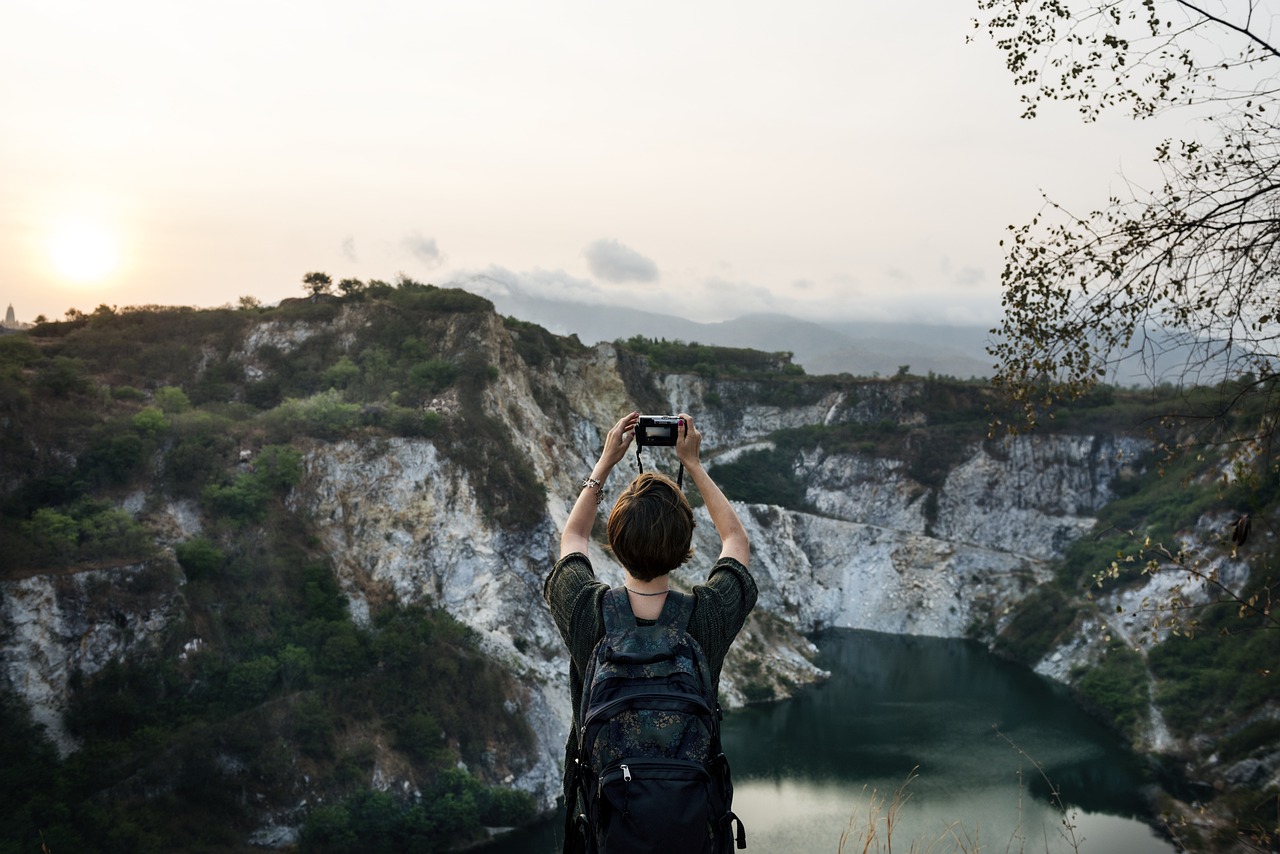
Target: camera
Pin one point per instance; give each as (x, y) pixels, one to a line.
(658, 430)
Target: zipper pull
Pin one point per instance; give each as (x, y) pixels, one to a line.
(626, 773)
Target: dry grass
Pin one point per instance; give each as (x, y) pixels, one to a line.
(871, 832)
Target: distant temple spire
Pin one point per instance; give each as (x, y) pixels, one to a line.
(9, 319)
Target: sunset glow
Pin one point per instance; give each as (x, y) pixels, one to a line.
(83, 252)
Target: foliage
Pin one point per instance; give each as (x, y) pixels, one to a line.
(85, 531)
(1194, 258)
(763, 477)
(1036, 625)
(680, 357)
(1117, 685)
(536, 346)
(200, 557)
(245, 499)
(171, 400)
(317, 283)
(452, 811)
(1218, 675)
(324, 415)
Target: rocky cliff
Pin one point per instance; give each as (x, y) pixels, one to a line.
(875, 547)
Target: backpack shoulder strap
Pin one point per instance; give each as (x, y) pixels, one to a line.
(618, 616)
(676, 611)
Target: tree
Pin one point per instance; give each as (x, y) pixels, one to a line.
(1186, 271)
(351, 287)
(317, 283)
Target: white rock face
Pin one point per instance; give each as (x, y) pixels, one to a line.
(823, 573)
(54, 626)
(1032, 495)
(400, 521)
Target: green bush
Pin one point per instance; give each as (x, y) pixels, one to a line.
(324, 416)
(200, 558)
(250, 682)
(84, 531)
(171, 400)
(764, 477)
(341, 374)
(150, 423)
(432, 376)
(202, 447)
(1036, 625)
(276, 469)
(1117, 686)
(63, 376)
(452, 812)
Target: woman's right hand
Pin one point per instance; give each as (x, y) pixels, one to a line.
(619, 439)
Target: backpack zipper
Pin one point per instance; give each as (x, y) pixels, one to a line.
(697, 705)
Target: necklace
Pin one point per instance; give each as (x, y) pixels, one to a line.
(638, 593)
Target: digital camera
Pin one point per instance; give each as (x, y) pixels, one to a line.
(658, 430)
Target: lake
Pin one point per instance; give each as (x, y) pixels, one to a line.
(981, 739)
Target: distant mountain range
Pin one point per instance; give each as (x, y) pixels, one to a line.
(861, 348)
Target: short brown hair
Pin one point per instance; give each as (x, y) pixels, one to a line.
(651, 526)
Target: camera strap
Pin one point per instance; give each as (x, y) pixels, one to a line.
(640, 466)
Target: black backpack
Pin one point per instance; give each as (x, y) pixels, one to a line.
(650, 773)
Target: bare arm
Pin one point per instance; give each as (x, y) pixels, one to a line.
(734, 542)
(577, 529)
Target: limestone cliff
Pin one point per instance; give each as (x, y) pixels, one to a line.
(879, 549)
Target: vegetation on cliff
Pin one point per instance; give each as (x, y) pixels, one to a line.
(185, 748)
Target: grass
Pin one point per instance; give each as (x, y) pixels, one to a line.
(871, 831)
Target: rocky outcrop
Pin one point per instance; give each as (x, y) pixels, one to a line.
(883, 551)
(55, 626)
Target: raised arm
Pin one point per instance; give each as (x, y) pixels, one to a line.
(577, 529)
(733, 537)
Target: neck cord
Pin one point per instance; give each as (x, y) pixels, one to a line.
(640, 466)
(639, 593)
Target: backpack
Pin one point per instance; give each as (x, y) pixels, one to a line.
(650, 772)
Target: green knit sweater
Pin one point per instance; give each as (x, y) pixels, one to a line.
(721, 606)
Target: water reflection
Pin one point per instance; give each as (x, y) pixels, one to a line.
(804, 768)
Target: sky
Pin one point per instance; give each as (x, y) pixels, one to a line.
(826, 160)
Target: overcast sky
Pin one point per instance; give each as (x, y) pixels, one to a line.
(710, 159)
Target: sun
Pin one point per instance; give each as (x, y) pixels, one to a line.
(83, 251)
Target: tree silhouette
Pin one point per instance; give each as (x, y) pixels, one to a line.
(1185, 271)
(317, 283)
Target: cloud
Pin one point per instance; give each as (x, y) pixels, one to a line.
(424, 249)
(967, 277)
(498, 283)
(613, 262)
(349, 249)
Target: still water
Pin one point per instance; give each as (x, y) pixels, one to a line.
(974, 733)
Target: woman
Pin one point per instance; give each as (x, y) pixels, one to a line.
(650, 532)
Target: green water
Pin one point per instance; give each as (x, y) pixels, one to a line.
(982, 739)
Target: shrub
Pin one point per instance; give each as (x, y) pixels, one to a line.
(764, 477)
(63, 377)
(171, 400)
(200, 558)
(150, 423)
(276, 469)
(341, 374)
(250, 682)
(1117, 686)
(323, 416)
(433, 375)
